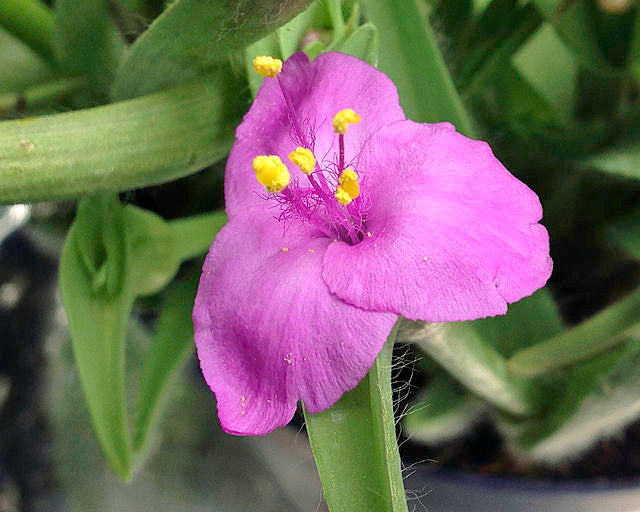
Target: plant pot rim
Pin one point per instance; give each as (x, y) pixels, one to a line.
(460, 491)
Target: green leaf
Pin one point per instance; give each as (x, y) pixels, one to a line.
(613, 33)
(443, 411)
(159, 247)
(475, 363)
(126, 145)
(528, 321)
(334, 8)
(32, 22)
(354, 445)
(595, 400)
(290, 35)
(594, 336)
(170, 347)
(634, 52)
(97, 297)
(41, 94)
(490, 42)
(528, 113)
(551, 68)
(361, 43)
(453, 17)
(314, 49)
(21, 67)
(625, 233)
(410, 56)
(168, 54)
(86, 42)
(573, 23)
(622, 159)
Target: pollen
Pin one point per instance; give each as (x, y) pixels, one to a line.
(304, 159)
(271, 172)
(348, 188)
(343, 119)
(267, 66)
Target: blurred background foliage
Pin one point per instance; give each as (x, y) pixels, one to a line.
(129, 107)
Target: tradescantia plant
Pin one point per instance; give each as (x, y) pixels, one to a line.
(347, 225)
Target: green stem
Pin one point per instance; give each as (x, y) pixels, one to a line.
(355, 448)
(196, 233)
(590, 338)
(40, 94)
(32, 22)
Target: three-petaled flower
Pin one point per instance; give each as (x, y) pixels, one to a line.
(342, 216)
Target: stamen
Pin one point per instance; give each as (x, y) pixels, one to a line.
(348, 188)
(267, 66)
(343, 119)
(304, 159)
(271, 172)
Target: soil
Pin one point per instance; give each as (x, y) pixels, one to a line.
(482, 451)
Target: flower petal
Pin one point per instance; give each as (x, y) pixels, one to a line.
(454, 236)
(316, 91)
(268, 332)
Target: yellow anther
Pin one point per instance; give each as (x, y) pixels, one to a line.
(343, 119)
(271, 172)
(348, 188)
(267, 66)
(304, 159)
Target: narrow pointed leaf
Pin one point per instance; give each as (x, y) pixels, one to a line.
(21, 66)
(170, 347)
(361, 43)
(98, 298)
(594, 400)
(530, 320)
(30, 21)
(551, 68)
(572, 22)
(623, 159)
(626, 234)
(168, 54)
(354, 445)
(290, 35)
(410, 56)
(39, 95)
(592, 337)
(491, 41)
(475, 363)
(87, 43)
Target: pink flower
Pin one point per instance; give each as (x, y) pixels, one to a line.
(304, 284)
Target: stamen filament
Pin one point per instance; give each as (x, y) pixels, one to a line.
(324, 207)
(341, 149)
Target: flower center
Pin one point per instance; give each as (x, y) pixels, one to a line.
(328, 195)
